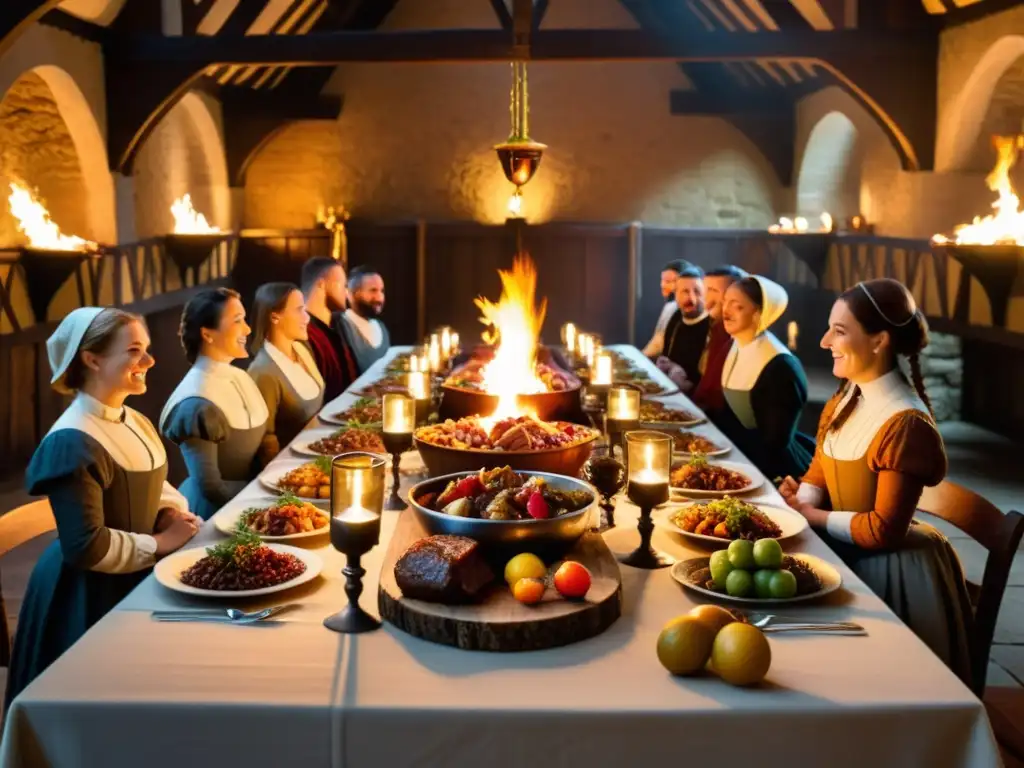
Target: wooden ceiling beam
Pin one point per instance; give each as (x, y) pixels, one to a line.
(18, 15)
(321, 48)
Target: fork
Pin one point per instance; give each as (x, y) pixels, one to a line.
(770, 622)
(229, 615)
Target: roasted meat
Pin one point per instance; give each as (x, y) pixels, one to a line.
(443, 569)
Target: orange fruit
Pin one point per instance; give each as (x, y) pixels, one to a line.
(684, 645)
(740, 654)
(572, 580)
(715, 616)
(528, 591)
(524, 566)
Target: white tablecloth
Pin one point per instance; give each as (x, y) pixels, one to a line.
(134, 692)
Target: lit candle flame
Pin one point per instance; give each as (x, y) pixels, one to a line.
(602, 374)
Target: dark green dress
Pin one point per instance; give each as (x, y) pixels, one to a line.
(89, 493)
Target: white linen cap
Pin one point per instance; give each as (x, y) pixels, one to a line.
(63, 344)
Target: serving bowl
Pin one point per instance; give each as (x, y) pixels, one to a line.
(564, 529)
(562, 460)
(557, 405)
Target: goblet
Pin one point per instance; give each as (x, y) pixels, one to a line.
(357, 496)
(399, 417)
(649, 460)
(608, 475)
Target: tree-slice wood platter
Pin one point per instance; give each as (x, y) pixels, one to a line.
(499, 622)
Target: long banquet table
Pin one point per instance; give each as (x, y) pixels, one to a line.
(134, 692)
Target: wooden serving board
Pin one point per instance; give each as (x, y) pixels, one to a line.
(499, 622)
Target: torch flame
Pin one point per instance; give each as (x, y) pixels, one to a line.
(35, 223)
(187, 220)
(516, 325)
(1006, 226)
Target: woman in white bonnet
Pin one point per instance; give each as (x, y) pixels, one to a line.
(104, 469)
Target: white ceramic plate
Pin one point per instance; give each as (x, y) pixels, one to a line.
(686, 454)
(307, 438)
(756, 480)
(168, 572)
(791, 522)
(271, 476)
(226, 520)
(831, 580)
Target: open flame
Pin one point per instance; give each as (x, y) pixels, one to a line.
(1006, 225)
(800, 225)
(35, 223)
(188, 221)
(514, 324)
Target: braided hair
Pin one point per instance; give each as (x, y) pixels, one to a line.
(880, 305)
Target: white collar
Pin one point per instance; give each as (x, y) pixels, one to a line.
(369, 328)
(743, 365)
(229, 388)
(884, 388)
(213, 367)
(94, 407)
(303, 374)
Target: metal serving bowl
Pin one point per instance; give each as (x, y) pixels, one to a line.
(556, 530)
(563, 460)
(560, 404)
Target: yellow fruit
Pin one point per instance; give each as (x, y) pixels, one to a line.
(740, 654)
(715, 616)
(524, 566)
(684, 645)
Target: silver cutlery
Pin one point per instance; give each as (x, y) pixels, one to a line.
(762, 620)
(825, 629)
(227, 616)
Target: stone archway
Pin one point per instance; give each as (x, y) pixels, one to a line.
(829, 178)
(73, 172)
(963, 119)
(184, 153)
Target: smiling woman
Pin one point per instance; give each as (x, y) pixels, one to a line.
(216, 415)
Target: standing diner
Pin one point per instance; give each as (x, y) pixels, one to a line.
(402, 383)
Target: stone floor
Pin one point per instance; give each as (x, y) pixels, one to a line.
(980, 460)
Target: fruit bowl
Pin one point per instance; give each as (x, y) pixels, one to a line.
(564, 529)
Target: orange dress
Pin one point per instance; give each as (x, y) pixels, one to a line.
(870, 472)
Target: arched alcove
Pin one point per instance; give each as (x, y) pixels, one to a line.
(829, 175)
(45, 146)
(963, 120)
(183, 154)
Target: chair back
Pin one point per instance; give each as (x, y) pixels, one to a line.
(998, 533)
(17, 527)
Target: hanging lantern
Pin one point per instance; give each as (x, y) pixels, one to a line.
(519, 156)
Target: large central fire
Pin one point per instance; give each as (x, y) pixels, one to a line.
(33, 220)
(514, 326)
(1006, 225)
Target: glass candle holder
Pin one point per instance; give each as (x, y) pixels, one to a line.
(357, 498)
(601, 373)
(445, 335)
(455, 344)
(649, 464)
(418, 384)
(399, 421)
(569, 338)
(622, 414)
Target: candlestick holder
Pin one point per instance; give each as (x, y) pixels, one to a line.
(399, 419)
(622, 415)
(357, 496)
(649, 457)
(608, 475)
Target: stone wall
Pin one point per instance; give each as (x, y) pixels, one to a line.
(416, 140)
(942, 366)
(36, 149)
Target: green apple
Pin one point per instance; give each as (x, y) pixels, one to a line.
(768, 553)
(741, 554)
(720, 567)
(739, 583)
(762, 583)
(783, 584)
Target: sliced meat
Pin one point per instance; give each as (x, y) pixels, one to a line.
(443, 569)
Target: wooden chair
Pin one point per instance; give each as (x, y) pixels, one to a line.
(1000, 534)
(18, 527)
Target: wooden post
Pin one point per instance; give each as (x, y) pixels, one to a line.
(635, 286)
(421, 278)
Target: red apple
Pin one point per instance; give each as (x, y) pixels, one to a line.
(572, 580)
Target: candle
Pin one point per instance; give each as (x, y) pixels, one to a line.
(583, 341)
(434, 353)
(624, 404)
(355, 530)
(455, 342)
(446, 342)
(414, 363)
(569, 337)
(792, 331)
(357, 480)
(418, 384)
(399, 411)
(601, 375)
(649, 460)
